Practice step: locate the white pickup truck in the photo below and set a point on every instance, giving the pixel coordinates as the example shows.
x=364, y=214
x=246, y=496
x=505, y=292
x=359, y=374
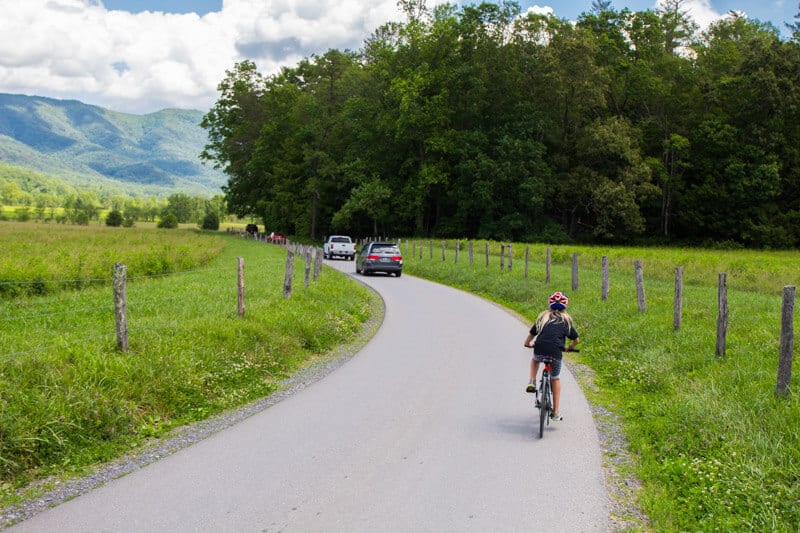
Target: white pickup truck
x=339, y=245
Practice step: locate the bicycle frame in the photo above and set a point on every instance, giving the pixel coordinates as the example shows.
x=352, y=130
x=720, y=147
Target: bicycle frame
x=544, y=399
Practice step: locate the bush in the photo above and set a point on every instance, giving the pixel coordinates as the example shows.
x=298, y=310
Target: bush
x=169, y=221
x=210, y=221
x=81, y=218
x=23, y=214
x=114, y=218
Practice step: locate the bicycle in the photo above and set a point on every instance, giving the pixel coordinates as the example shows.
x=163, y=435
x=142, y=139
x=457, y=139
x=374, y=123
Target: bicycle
x=544, y=395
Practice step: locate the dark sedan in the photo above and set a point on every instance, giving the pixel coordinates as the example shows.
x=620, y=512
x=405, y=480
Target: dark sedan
x=379, y=257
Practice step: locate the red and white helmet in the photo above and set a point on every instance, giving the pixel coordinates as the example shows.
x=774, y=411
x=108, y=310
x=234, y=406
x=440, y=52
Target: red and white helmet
x=558, y=300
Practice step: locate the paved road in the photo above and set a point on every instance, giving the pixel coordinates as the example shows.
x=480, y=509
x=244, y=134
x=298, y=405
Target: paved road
x=427, y=429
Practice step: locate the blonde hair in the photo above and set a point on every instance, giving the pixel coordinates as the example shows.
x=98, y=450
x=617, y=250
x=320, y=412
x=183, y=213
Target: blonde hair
x=553, y=315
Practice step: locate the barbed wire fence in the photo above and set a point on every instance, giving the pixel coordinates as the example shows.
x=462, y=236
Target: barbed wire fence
x=50, y=329
x=505, y=256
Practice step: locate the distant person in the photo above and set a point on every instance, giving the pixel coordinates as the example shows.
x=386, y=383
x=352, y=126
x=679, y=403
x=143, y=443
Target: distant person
x=547, y=337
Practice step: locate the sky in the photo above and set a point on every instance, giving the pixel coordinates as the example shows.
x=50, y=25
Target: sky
x=141, y=56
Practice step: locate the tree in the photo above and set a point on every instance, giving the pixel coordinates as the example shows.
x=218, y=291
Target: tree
x=168, y=221
x=210, y=221
x=114, y=218
x=233, y=126
x=182, y=206
x=795, y=26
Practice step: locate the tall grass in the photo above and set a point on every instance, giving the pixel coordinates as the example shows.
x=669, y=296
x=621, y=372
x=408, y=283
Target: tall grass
x=716, y=450
x=41, y=259
x=69, y=398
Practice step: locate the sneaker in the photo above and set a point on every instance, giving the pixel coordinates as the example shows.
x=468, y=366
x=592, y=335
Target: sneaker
x=556, y=417
x=531, y=387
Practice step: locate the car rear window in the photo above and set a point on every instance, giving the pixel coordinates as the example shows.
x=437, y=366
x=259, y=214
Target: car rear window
x=340, y=239
x=386, y=249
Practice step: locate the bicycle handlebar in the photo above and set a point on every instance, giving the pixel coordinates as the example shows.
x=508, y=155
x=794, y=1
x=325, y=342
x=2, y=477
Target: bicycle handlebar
x=562, y=349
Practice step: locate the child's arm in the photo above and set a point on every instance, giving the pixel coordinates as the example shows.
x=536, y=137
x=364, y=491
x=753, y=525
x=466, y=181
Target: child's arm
x=573, y=344
x=528, y=341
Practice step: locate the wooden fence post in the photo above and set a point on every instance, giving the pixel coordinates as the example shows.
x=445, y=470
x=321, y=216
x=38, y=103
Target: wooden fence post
x=502, y=257
x=510, y=256
x=444, y=245
x=471, y=251
x=119, y=283
x=318, y=262
x=547, y=259
x=604, y=287
x=287, y=281
x=240, y=287
x=487, y=254
x=678, y=311
x=456, y=252
x=527, y=259
x=307, y=254
x=430, y=249
x=722, y=318
x=637, y=265
x=575, y=271
x=787, y=341
x=414, y=249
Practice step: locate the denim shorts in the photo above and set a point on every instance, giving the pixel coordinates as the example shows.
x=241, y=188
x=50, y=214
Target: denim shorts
x=555, y=371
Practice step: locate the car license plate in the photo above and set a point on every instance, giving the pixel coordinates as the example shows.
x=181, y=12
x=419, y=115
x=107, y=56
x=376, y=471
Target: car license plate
x=385, y=259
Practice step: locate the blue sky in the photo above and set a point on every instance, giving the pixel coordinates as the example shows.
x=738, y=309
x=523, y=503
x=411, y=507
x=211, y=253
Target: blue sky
x=140, y=56
x=201, y=7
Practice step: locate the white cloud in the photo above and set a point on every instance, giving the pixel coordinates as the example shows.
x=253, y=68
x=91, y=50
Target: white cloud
x=701, y=12
x=146, y=61
x=540, y=10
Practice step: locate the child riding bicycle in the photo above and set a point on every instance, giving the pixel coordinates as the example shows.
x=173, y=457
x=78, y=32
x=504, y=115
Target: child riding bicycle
x=547, y=337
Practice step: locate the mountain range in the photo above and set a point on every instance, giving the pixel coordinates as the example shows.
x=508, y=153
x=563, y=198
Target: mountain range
x=88, y=146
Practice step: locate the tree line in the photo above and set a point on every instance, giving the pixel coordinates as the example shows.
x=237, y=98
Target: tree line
x=483, y=122
x=65, y=205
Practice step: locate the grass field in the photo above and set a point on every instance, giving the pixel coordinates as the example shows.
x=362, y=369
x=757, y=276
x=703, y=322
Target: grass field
x=70, y=399
x=714, y=447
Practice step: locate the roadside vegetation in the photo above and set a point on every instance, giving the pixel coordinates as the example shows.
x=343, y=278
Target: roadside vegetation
x=69, y=399
x=41, y=259
x=715, y=448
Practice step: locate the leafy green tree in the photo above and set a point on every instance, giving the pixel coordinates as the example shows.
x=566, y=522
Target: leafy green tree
x=369, y=198
x=168, y=220
x=114, y=218
x=210, y=221
x=183, y=207
x=233, y=126
x=795, y=26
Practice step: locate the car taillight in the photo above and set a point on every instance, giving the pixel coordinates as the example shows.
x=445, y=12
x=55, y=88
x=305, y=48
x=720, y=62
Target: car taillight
x=397, y=258
x=373, y=257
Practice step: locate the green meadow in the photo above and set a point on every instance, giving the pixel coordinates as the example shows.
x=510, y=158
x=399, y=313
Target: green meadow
x=713, y=445
x=69, y=399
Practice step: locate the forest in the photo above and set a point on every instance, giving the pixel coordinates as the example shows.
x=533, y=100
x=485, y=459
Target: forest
x=623, y=127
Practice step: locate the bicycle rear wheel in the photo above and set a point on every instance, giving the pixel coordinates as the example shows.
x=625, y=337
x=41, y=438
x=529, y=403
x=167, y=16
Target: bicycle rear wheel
x=544, y=405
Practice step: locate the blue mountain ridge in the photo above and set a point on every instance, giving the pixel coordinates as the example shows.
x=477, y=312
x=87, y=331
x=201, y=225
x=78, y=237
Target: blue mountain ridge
x=87, y=145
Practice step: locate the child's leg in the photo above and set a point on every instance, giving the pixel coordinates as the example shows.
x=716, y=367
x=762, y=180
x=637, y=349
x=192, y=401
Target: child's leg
x=556, y=393
x=534, y=369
